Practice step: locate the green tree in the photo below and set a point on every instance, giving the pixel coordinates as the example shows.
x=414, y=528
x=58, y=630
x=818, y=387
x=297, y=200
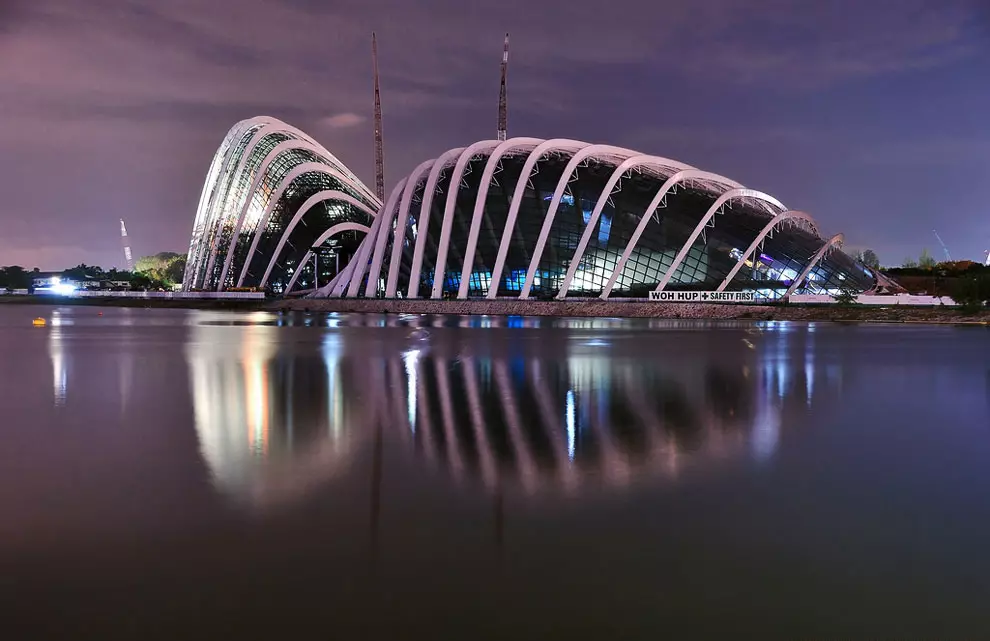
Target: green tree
x=166, y=267
x=176, y=270
x=15, y=277
x=870, y=259
x=83, y=271
x=909, y=263
x=972, y=292
x=846, y=297
x=925, y=261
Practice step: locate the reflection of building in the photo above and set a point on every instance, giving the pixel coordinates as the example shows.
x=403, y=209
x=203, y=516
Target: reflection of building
x=572, y=411
x=529, y=217
x=272, y=195
x=270, y=424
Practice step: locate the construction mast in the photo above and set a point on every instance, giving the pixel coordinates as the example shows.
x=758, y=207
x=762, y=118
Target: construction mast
x=945, y=249
x=502, y=108
x=379, y=154
x=128, y=258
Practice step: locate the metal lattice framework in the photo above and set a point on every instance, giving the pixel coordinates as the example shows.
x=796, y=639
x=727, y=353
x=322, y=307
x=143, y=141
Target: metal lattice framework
x=270, y=196
x=472, y=221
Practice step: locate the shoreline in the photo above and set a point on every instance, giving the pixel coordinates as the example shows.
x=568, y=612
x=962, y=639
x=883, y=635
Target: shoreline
x=562, y=309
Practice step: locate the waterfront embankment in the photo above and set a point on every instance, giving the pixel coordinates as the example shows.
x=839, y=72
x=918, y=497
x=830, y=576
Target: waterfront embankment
x=578, y=309
x=637, y=309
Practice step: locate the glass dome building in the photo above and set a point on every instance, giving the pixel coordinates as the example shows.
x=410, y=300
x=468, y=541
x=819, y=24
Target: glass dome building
x=531, y=218
x=273, y=197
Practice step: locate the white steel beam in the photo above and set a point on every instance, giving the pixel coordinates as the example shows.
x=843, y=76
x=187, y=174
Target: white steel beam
x=709, y=215
x=360, y=259
x=557, y=144
x=273, y=155
x=648, y=214
x=423, y=223
x=330, y=233
x=302, y=141
x=834, y=241
x=399, y=235
x=777, y=220
x=218, y=195
x=448, y=211
x=626, y=166
x=558, y=193
x=479, y=204
x=321, y=196
x=382, y=239
x=298, y=170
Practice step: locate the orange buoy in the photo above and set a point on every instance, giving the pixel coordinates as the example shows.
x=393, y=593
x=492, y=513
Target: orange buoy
x=39, y=322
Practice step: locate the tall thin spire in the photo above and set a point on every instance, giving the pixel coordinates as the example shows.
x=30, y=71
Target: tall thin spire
x=502, y=108
x=379, y=155
x=128, y=258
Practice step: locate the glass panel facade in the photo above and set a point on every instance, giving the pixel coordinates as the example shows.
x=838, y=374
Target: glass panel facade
x=221, y=240
x=772, y=269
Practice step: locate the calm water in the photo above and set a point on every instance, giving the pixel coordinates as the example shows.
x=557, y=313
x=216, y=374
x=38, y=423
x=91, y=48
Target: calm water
x=180, y=474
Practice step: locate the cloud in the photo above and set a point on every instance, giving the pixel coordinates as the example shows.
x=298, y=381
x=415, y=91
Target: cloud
x=342, y=121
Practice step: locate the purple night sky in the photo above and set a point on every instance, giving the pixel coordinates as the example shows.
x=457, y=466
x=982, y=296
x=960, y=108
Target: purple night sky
x=872, y=115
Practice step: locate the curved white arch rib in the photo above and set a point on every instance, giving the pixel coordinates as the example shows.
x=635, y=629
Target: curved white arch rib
x=632, y=160
x=423, y=223
x=777, y=220
x=221, y=185
x=709, y=215
x=330, y=233
x=192, y=257
x=248, y=196
x=589, y=229
x=360, y=261
x=298, y=170
x=399, y=232
x=644, y=220
x=326, y=194
x=479, y=204
x=558, y=194
x=557, y=144
x=834, y=241
x=260, y=174
x=279, y=126
x=381, y=239
x=448, y=210
x=257, y=129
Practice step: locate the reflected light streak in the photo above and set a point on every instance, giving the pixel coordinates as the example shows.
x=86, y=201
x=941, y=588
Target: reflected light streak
x=332, y=351
x=256, y=382
x=410, y=358
x=56, y=349
x=570, y=424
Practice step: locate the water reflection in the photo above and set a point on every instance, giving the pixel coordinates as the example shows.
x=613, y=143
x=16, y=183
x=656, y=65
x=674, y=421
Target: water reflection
x=271, y=423
x=566, y=413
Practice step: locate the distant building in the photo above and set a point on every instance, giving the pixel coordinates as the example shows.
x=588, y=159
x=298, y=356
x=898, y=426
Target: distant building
x=56, y=283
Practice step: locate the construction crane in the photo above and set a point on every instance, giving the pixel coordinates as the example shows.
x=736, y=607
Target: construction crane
x=379, y=154
x=127, y=247
x=502, y=107
x=944, y=248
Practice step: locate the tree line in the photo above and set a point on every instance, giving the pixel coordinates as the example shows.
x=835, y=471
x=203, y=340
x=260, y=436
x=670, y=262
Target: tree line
x=160, y=271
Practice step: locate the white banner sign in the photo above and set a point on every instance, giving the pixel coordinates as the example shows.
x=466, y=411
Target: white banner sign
x=706, y=297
